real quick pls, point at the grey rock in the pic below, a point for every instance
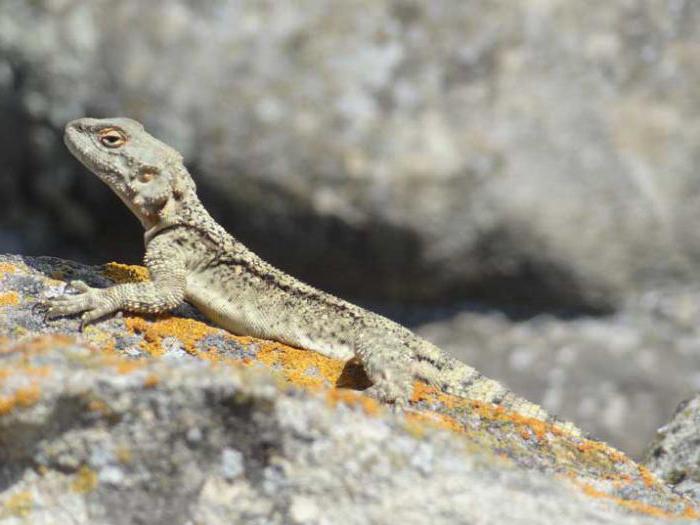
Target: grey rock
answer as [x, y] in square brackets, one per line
[674, 456]
[619, 376]
[89, 437]
[264, 457]
[541, 152]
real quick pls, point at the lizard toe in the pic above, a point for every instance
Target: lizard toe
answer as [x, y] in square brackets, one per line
[80, 286]
[389, 392]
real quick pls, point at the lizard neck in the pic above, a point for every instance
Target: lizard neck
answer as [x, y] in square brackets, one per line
[191, 214]
[186, 212]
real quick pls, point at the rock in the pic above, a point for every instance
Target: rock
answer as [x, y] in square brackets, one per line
[169, 420]
[674, 456]
[541, 153]
[619, 376]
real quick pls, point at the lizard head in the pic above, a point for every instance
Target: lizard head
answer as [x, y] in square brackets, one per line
[148, 175]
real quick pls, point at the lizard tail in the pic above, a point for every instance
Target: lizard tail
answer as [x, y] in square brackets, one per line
[459, 379]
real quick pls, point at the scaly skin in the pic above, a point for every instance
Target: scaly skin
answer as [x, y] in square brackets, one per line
[191, 258]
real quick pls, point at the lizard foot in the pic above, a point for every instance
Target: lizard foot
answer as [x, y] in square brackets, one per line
[93, 302]
[390, 392]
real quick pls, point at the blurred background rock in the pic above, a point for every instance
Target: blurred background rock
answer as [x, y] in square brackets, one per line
[538, 157]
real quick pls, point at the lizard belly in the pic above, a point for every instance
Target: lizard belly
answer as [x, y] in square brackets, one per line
[239, 317]
[244, 315]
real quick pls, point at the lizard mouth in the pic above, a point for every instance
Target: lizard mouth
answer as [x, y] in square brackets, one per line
[70, 138]
[79, 145]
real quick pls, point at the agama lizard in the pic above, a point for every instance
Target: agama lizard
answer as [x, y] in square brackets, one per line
[192, 258]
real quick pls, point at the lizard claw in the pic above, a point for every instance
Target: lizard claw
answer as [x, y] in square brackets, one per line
[80, 286]
[40, 308]
[378, 391]
[83, 323]
[93, 303]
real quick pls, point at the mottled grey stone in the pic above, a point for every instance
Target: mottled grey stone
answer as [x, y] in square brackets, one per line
[542, 152]
[674, 455]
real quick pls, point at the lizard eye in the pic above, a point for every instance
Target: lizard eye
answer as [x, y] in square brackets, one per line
[112, 138]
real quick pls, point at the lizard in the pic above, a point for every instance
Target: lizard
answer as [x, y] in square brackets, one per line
[190, 257]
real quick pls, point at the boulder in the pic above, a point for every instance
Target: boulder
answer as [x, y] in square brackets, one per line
[674, 456]
[168, 420]
[619, 376]
[534, 152]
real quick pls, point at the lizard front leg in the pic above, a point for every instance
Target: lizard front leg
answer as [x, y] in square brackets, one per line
[162, 293]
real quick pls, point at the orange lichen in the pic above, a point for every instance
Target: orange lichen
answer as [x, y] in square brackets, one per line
[637, 506]
[151, 381]
[22, 397]
[124, 455]
[514, 432]
[103, 340]
[7, 268]
[597, 448]
[419, 419]
[647, 477]
[188, 331]
[9, 299]
[39, 344]
[99, 406]
[127, 366]
[19, 504]
[526, 426]
[125, 273]
[85, 480]
[300, 367]
[348, 397]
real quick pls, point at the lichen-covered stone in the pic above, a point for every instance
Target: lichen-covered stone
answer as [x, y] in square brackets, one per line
[674, 456]
[541, 150]
[170, 420]
[619, 376]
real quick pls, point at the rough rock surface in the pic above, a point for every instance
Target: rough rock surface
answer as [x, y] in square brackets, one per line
[675, 454]
[170, 421]
[539, 150]
[619, 376]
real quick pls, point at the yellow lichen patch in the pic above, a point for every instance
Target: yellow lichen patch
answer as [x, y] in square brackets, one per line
[128, 366]
[39, 344]
[188, 331]
[418, 420]
[124, 455]
[349, 397]
[7, 268]
[527, 426]
[9, 299]
[637, 506]
[299, 367]
[36, 371]
[19, 504]
[125, 273]
[99, 406]
[591, 448]
[101, 339]
[85, 480]
[22, 398]
[649, 479]
[151, 381]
